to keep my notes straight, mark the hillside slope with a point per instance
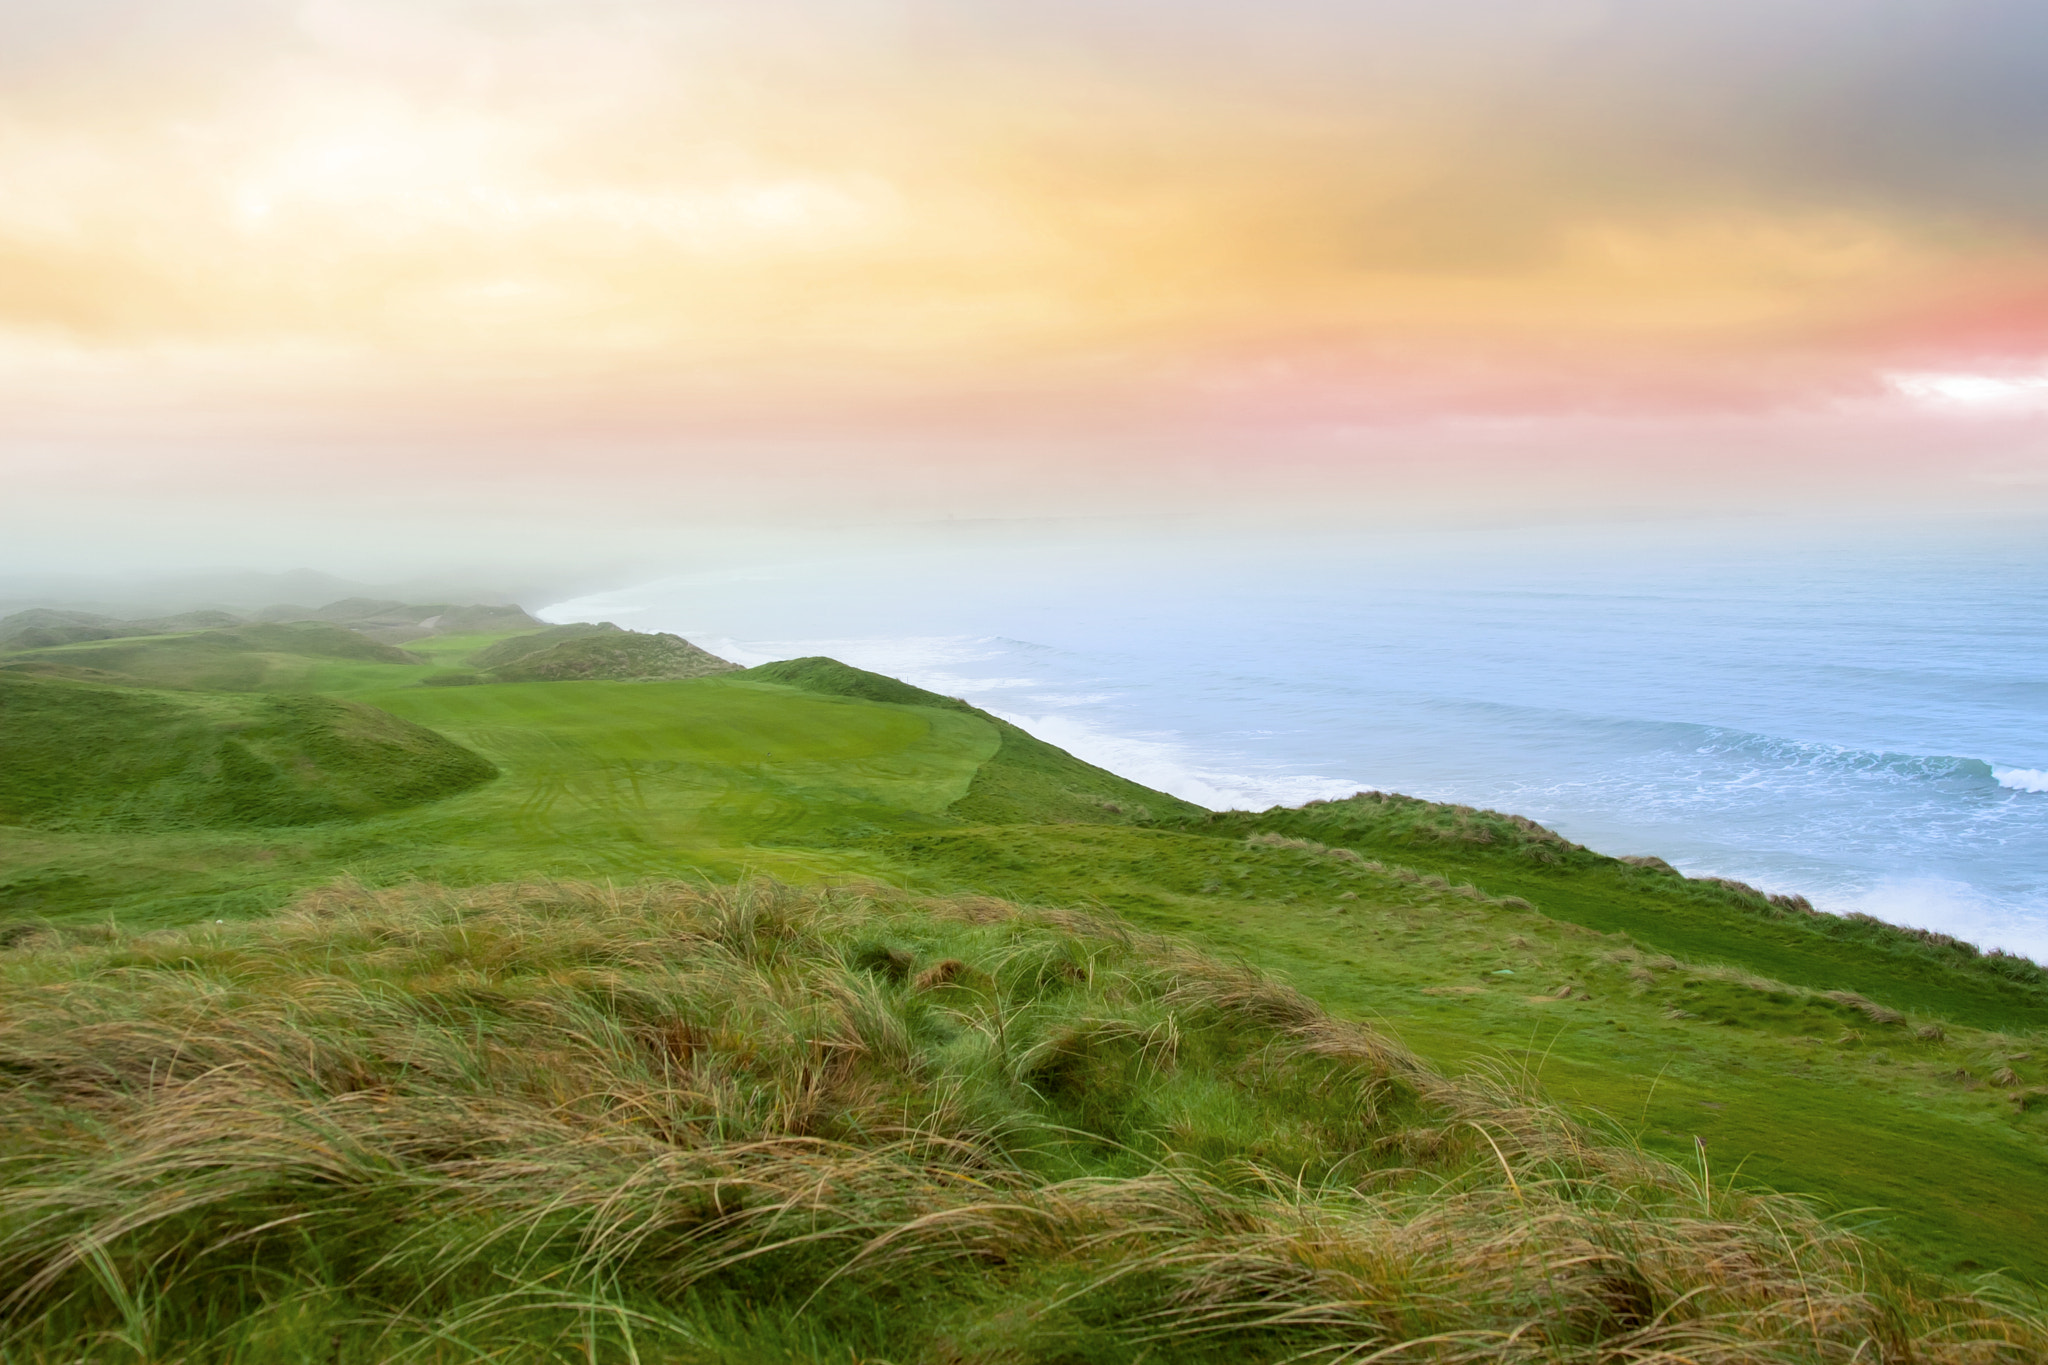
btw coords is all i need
(622, 655)
(1026, 781)
(516, 647)
(40, 627)
(1937, 1130)
(1704, 919)
(402, 622)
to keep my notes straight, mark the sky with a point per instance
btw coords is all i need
(372, 284)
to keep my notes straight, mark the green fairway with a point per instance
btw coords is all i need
(595, 779)
(641, 776)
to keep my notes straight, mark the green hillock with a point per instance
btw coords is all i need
(39, 622)
(86, 754)
(831, 678)
(624, 655)
(518, 647)
(238, 658)
(1026, 781)
(1029, 781)
(397, 622)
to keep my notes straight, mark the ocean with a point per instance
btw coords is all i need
(1857, 714)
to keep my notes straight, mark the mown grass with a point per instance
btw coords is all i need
(596, 779)
(748, 1123)
(643, 768)
(1025, 781)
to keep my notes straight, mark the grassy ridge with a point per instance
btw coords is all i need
(41, 627)
(755, 1124)
(513, 648)
(1698, 919)
(1025, 781)
(614, 654)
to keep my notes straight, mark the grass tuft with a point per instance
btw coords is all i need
(1870, 1009)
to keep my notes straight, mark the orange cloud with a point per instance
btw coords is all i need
(432, 232)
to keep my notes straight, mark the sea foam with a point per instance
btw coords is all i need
(1162, 762)
(2022, 779)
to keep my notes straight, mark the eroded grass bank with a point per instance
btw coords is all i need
(757, 1123)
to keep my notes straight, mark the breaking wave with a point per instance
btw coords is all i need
(1840, 761)
(1165, 764)
(2022, 779)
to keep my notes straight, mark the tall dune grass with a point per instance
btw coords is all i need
(755, 1124)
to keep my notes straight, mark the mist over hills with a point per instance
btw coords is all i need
(221, 650)
(150, 595)
(379, 619)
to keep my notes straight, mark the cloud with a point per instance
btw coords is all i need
(980, 255)
(1899, 98)
(1998, 392)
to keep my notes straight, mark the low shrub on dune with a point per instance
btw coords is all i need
(755, 1123)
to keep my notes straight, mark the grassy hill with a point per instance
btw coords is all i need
(87, 754)
(236, 659)
(400, 622)
(1864, 1066)
(1026, 780)
(1703, 918)
(388, 622)
(618, 654)
(516, 647)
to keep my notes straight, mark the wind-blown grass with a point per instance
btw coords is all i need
(755, 1123)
